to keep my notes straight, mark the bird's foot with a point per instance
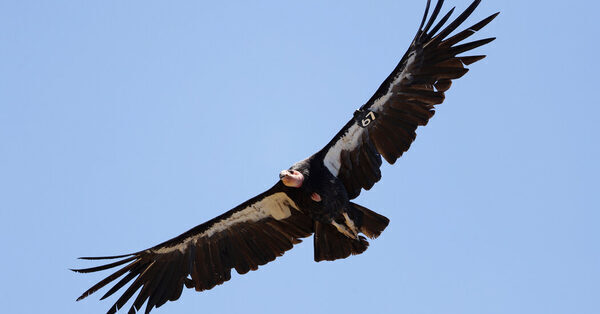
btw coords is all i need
(343, 230)
(351, 225)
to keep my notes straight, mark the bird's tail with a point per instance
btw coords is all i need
(331, 244)
(369, 222)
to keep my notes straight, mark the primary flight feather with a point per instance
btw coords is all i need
(313, 196)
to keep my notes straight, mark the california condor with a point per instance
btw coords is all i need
(314, 195)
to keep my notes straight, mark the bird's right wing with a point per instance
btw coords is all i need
(252, 234)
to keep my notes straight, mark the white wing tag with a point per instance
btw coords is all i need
(364, 117)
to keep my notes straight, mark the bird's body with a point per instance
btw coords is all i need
(314, 196)
(317, 179)
(324, 199)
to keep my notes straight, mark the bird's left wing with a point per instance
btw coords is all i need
(252, 234)
(385, 125)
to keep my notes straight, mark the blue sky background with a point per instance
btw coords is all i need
(123, 124)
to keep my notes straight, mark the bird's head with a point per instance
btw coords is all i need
(291, 178)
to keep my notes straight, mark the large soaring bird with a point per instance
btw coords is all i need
(314, 195)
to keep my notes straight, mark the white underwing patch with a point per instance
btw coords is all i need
(349, 141)
(353, 136)
(277, 205)
(403, 75)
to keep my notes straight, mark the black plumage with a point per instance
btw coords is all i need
(314, 195)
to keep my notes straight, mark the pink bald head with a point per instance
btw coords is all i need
(291, 178)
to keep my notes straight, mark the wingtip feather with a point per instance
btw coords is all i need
(92, 258)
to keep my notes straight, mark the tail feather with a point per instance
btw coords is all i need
(330, 244)
(370, 223)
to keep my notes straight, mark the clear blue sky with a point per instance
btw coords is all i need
(123, 124)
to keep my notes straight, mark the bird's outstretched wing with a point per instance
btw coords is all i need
(252, 234)
(385, 125)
